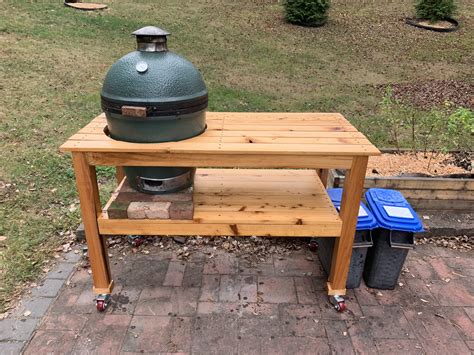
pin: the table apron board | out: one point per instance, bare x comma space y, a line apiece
148, 227
288, 161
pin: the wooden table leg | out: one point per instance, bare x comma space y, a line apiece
119, 174
323, 175
86, 180
353, 188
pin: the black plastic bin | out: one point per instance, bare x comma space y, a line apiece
392, 240
362, 241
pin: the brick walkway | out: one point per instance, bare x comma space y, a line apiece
224, 305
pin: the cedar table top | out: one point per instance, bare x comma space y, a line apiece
244, 133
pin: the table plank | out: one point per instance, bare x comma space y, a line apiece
244, 133
241, 201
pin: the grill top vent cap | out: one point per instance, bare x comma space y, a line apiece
151, 39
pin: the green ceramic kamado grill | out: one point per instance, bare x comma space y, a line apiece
152, 95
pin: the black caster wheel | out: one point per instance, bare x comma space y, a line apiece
313, 245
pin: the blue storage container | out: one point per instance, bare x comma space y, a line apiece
398, 222
362, 241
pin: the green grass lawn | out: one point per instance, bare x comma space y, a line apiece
53, 60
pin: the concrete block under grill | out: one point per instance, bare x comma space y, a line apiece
128, 203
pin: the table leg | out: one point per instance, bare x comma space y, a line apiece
353, 188
119, 174
323, 175
86, 180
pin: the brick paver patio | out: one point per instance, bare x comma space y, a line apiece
226, 305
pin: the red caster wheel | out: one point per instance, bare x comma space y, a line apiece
341, 307
338, 302
138, 242
102, 302
135, 240
100, 305
313, 246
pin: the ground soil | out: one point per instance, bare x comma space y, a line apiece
426, 94
411, 163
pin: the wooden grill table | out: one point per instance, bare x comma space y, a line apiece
266, 196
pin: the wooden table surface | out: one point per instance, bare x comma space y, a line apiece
249, 133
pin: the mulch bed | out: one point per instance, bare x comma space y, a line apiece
418, 163
431, 93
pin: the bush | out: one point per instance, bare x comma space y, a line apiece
435, 10
307, 12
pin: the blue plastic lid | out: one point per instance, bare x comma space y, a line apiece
365, 220
392, 210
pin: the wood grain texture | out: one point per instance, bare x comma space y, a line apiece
351, 197
86, 182
246, 202
119, 174
282, 161
244, 133
423, 193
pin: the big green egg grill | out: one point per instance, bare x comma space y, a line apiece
152, 95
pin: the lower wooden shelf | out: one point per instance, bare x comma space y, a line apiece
245, 202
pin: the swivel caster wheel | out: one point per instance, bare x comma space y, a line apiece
135, 240
338, 302
102, 302
313, 245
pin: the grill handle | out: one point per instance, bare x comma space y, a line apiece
134, 111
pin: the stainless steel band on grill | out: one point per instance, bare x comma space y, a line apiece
152, 95
158, 109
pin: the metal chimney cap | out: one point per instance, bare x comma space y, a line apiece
151, 31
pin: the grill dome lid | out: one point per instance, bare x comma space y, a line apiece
153, 76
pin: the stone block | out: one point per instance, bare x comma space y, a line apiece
45, 341
216, 332
221, 264
11, 347
174, 275
305, 291
193, 275
182, 210
61, 271
132, 204
235, 288
36, 305
295, 345
277, 289
118, 210
128, 194
49, 288
17, 329
102, 334
149, 210
80, 233
302, 320
165, 301
63, 322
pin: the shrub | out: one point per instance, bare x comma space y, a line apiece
307, 12
435, 10
460, 130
